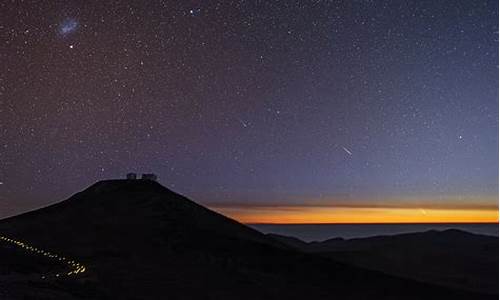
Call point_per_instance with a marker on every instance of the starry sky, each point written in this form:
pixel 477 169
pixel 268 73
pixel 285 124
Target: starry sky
pixel 259 109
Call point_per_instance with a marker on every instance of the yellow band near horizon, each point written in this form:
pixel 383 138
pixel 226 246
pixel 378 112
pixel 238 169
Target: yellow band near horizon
pixel 302 215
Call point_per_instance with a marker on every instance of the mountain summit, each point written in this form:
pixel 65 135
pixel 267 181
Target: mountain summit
pixel 136 239
pixel 117 212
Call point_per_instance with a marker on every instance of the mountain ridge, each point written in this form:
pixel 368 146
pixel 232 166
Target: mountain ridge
pixel 452 257
pixel 139 240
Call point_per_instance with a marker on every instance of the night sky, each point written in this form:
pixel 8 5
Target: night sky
pixel 253 106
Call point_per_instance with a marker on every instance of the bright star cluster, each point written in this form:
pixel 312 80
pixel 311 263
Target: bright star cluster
pixel 245 103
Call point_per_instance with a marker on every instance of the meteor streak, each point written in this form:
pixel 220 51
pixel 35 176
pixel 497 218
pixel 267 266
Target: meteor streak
pixel 347 150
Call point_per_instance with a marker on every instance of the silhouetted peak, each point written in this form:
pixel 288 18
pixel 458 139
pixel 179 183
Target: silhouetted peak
pixel 122 209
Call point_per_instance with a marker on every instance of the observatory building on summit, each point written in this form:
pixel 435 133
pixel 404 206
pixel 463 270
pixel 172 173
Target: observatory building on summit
pixel 146 176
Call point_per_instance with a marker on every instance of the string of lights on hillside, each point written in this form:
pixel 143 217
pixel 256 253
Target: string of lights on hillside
pixel 75 267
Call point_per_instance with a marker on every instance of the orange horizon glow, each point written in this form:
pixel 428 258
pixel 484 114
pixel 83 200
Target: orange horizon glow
pixel 358 215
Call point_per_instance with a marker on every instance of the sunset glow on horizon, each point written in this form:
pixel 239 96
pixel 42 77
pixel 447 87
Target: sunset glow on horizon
pixel 350 215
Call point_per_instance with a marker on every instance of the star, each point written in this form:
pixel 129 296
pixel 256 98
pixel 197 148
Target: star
pixel 195 11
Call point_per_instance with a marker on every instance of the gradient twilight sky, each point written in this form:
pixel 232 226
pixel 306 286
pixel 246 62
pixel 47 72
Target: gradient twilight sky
pixel 300 111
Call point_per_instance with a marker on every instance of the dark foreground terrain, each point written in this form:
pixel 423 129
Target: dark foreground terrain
pixel 135 239
pixel 452 258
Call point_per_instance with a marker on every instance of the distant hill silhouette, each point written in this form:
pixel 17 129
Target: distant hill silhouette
pixel 139 240
pixel 452 258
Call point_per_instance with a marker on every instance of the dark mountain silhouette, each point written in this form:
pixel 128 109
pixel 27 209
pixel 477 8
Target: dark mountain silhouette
pixel 138 240
pixel 452 258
